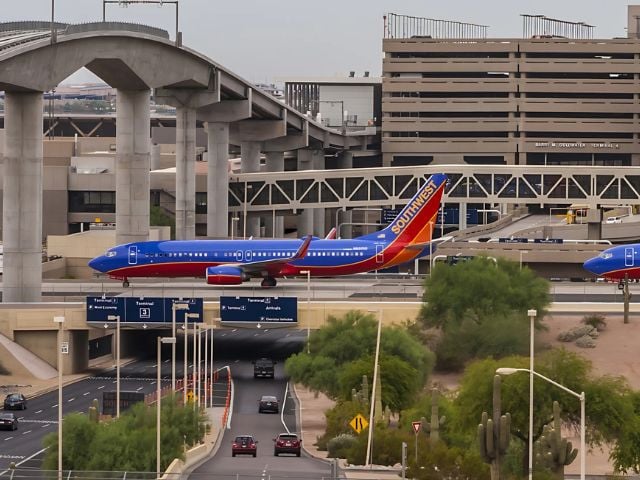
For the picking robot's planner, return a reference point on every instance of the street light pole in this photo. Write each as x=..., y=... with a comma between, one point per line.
x=60, y=322
x=581, y=396
x=175, y=306
x=532, y=315
x=161, y=340
x=373, y=391
x=111, y=318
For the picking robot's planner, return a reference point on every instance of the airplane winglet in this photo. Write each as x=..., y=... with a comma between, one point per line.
x=331, y=235
x=304, y=248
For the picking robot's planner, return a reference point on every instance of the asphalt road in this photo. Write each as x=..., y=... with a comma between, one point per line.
x=264, y=427
x=234, y=347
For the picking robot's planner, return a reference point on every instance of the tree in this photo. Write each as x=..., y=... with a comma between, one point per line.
x=480, y=309
x=343, y=351
x=160, y=218
x=126, y=443
x=609, y=406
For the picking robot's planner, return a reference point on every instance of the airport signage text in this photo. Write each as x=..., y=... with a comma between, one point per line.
x=259, y=309
x=142, y=309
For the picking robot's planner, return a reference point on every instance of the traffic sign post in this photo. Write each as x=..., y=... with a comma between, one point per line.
x=416, y=429
x=359, y=423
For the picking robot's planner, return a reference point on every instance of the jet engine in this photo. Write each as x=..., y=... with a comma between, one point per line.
x=226, y=275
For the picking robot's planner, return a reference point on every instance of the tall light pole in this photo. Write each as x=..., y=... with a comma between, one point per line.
x=175, y=306
x=161, y=340
x=193, y=377
x=532, y=317
x=580, y=396
x=308, y=274
x=373, y=390
x=60, y=322
x=116, y=318
x=185, y=373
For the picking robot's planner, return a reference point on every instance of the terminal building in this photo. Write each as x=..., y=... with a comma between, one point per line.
x=555, y=97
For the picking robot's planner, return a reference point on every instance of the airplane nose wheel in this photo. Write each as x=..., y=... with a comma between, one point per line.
x=268, y=282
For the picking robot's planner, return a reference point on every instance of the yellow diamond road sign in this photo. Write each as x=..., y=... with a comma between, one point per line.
x=359, y=423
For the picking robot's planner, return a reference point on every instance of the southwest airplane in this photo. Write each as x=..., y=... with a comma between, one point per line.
x=613, y=263
x=231, y=262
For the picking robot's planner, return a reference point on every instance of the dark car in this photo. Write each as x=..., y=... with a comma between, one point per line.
x=263, y=367
x=8, y=421
x=15, y=401
x=244, y=445
x=268, y=403
x=287, y=443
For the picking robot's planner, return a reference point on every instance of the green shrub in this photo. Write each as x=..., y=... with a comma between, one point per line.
x=338, y=447
x=596, y=321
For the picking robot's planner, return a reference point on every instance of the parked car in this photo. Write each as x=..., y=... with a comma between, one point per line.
x=15, y=401
x=244, y=445
x=287, y=443
x=8, y=421
x=263, y=367
x=268, y=403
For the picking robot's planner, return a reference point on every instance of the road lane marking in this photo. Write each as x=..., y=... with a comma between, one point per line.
x=8, y=438
x=39, y=411
x=54, y=406
x=100, y=387
x=139, y=388
x=28, y=431
x=71, y=399
x=85, y=394
x=45, y=425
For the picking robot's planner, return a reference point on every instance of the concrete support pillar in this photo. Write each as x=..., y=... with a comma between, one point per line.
x=133, y=146
x=318, y=213
x=155, y=157
x=345, y=217
x=218, y=179
x=185, y=173
x=462, y=219
x=250, y=155
x=305, y=218
x=274, y=226
x=22, y=201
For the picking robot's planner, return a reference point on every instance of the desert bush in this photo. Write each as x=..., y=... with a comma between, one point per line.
x=595, y=320
x=586, y=342
x=338, y=447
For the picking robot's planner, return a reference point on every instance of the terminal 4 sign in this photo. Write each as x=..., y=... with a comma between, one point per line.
x=141, y=310
x=259, y=309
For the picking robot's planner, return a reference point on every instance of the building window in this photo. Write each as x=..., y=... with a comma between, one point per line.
x=92, y=202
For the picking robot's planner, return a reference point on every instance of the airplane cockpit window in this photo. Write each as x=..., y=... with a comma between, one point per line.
x=605, y=255
x=110, y=253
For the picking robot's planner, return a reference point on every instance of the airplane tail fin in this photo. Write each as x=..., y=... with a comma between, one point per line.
x=415, y=223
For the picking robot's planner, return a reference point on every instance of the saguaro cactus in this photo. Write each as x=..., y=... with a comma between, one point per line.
x=494, y=433
x=433, y=427
x=94, y=414
x=554, y=451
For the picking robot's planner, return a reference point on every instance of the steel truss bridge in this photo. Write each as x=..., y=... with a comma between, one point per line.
x=468, y=184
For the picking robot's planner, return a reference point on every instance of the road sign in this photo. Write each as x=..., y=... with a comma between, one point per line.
x=64, y=347
x=141, y=310
x=416, y=427
x=259, y=309
x=359, y=423
x=127, y=399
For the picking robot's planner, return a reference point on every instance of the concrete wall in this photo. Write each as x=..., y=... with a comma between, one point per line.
x=357, y=100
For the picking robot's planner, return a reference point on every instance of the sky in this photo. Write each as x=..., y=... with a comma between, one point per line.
x=268, y=40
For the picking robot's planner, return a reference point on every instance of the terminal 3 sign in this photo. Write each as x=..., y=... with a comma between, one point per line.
x=142, y=309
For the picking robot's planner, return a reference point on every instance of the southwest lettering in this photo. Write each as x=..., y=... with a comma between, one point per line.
x=410, y=210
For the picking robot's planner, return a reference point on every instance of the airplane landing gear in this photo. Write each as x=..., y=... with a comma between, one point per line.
x=268, y=282
x=125, y=283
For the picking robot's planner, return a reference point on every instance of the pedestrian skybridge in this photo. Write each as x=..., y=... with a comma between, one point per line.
x=376, y=187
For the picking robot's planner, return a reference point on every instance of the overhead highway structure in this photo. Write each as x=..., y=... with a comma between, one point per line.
x=133, y=59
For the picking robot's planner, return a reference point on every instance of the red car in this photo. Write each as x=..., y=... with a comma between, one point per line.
x=287, y=443
x=244, y=445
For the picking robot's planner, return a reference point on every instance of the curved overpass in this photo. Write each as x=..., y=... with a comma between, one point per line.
x=136, y=60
